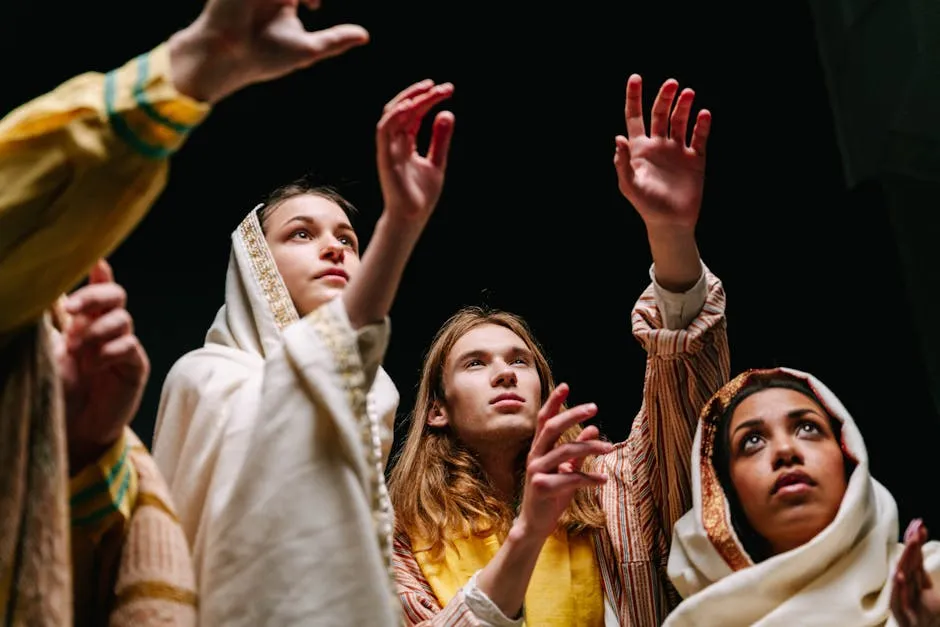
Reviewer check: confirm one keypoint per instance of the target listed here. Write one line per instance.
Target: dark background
(531, 219)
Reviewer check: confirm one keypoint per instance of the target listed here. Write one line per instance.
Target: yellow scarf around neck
(565, 589)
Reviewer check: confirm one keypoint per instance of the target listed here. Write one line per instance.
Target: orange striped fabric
(650, 482)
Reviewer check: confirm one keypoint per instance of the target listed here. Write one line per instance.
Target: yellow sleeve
(79, 168)
(104, 493)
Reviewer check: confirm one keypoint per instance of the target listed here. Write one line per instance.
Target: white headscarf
(273, 438)
(840, 577)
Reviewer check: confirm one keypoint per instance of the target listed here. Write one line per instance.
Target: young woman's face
(786, 466)
(315, 249)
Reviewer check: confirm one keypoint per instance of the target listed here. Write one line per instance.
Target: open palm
(260, 40)
(915, 601)
(660, 174)
(411, 182)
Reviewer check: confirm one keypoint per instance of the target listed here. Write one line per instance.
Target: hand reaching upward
(660, 174)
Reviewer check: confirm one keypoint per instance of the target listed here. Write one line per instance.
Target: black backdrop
(531, 219)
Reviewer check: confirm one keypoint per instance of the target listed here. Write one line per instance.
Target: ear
(437, 415)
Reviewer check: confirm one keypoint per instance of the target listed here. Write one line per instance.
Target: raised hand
(411, 183)
(102, 365)
(234, 43)
(915, 602)
(660, 174)
(553, 472)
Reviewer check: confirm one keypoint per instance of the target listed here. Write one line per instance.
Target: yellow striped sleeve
(104, 494)
(79, 168)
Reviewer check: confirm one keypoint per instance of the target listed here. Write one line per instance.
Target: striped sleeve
(421, 607)
(650, 481)
(104, 493)
(79, 168)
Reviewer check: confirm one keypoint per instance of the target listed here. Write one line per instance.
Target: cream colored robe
(273, 438)
(841, 577)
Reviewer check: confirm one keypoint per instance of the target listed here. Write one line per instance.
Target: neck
(500, 466)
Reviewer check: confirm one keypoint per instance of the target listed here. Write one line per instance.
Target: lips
(333, 272)
(794, 477)
(507, 397)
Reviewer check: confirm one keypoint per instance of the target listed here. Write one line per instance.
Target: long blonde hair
(438, 489)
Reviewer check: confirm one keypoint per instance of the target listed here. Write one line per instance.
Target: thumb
(101, 273)
(334, 41)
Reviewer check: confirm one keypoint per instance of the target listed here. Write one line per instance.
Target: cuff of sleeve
(144, 108)
(484, 608)
(679, 309)
(103, 493)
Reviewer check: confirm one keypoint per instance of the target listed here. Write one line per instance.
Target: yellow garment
(102, 499)
(79, 168)
(565, 589)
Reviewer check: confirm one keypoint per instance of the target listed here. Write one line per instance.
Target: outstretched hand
(660, 174)
(412, 183)
(915, 602)
(553, 472)
(102, 365)
(235, 43)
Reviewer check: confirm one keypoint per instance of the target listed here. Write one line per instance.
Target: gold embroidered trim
(265, 271)
(715, 517)
(350, 369)
(154, 590)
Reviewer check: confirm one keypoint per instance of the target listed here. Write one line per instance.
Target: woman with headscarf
(273, 435)
(79, 167)
(787, 526)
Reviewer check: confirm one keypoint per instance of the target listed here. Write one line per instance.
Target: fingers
(899, 596)
(441, 135)
(679, 122)
(313, 5)
(550, 408)
(572, 452)
(409, 92)
(622, 159)
(96, 298)
(633, 111)
(703, 125)
(334, 41)
(101, 273)
(659, 117)
(406, 115)
(554, 426)
(113, 324)
(126, 351)
(565, 483)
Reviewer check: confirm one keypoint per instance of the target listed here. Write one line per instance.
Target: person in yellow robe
(507, 514)
(79, 168)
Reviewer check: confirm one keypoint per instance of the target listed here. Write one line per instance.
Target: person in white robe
(273, 436)
(787, 526)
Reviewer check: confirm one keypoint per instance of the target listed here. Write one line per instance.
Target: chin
(803, 526)
(512, 427)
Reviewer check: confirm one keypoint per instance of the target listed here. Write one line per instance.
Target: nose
(504, 376)
(785, 453)
(333, 251)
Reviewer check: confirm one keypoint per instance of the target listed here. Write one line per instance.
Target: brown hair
(438, 489)
(300, 187)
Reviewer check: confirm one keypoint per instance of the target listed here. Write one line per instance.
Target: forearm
(204, 65)
(506, 578)
(370, 295)
(79, 168)
(675, 256)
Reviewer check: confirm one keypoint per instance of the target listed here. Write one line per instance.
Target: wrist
(671, 234)
(523, 536)
(202, 63)
(84, 453)
(407, 230)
